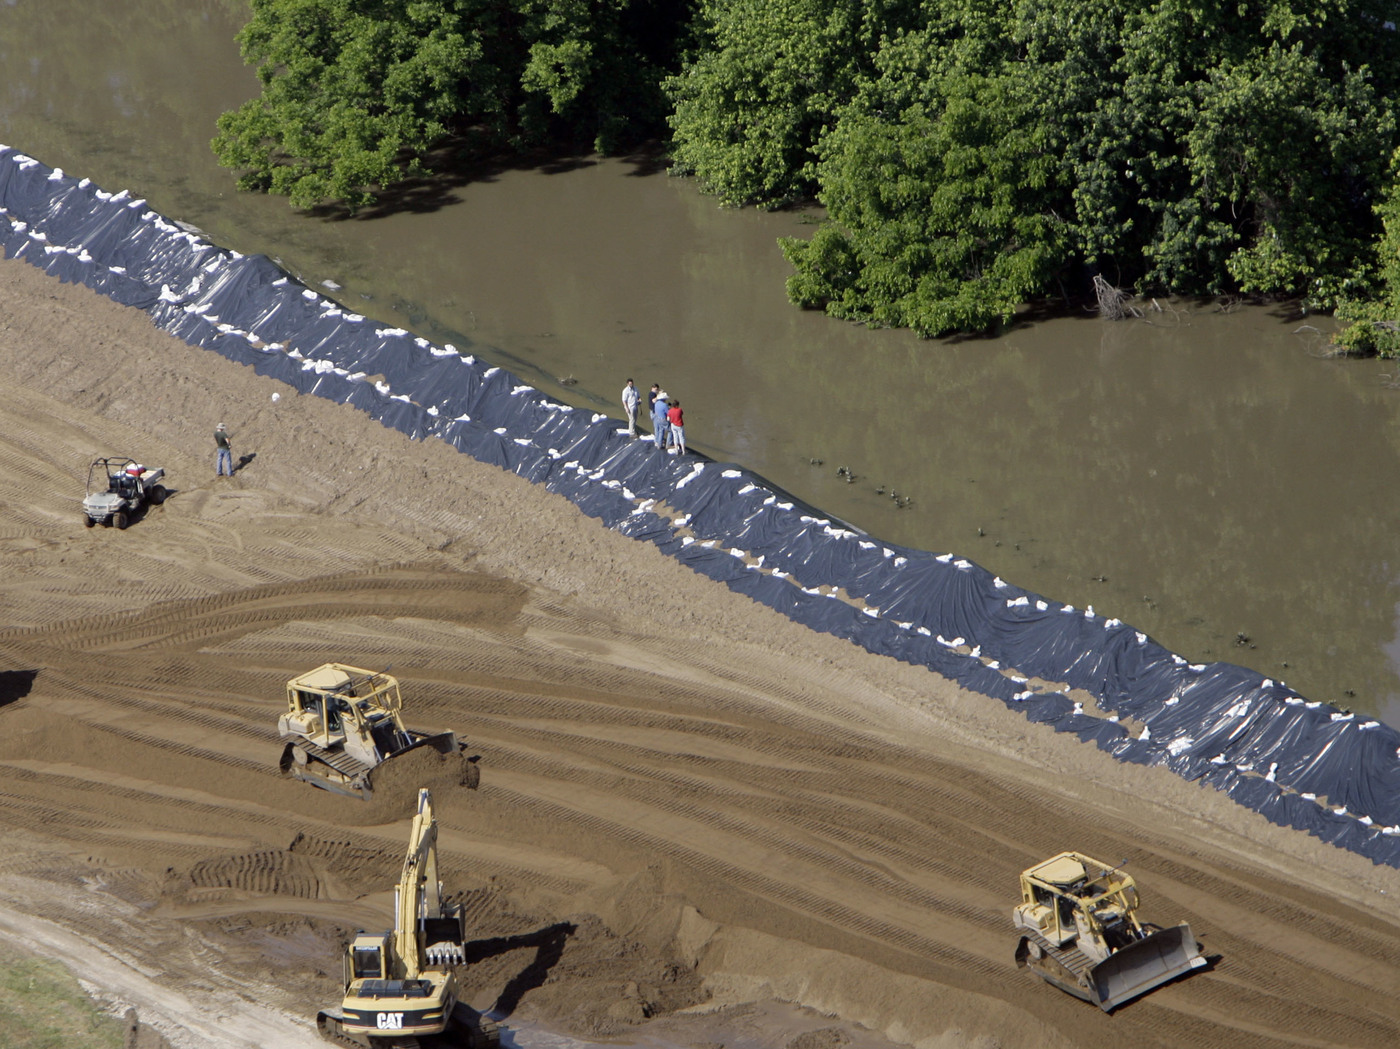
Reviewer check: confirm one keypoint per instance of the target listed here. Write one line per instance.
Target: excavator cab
(365, 958)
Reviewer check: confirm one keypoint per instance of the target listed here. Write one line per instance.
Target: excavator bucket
(1141, 966)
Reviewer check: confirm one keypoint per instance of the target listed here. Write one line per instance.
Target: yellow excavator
(400, 986)
(1080, 932)
(342, 722)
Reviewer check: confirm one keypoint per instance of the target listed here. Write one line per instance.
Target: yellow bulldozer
(1080, 931)
(400, 986)
(342, 722)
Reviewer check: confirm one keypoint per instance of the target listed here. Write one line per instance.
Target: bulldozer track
(216, 723)
(90, 831)
(271, 602)
(833, 860)
(924, 803)
(1353, 929)
(272, 872)
(920, 805)
(358, 853)
(789, 896)
(188, 750)
(350, 850)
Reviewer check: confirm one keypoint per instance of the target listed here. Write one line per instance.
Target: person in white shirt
(631, 397)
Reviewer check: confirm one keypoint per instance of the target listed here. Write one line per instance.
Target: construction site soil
(690, 807)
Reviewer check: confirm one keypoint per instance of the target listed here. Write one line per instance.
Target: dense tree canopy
(1183, 147)
(766, 82)
(355, 92)
(971, 154)
(1374, 321)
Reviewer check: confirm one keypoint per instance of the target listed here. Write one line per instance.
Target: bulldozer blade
(1146, 964)
(444, 743)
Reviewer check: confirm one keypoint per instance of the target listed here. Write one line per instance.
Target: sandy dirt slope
(686, 800)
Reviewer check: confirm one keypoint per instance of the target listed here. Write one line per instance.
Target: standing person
(651, 399)
(658, 419)
(631, 397)
(677, 421)
(224, 442)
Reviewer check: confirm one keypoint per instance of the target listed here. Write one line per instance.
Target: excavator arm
(419, 894)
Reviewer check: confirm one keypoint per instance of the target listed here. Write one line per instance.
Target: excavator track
(332, 1030)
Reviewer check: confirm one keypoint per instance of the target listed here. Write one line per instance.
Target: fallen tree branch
(1114, 303)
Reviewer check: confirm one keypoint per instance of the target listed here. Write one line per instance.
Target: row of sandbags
(1300, 763)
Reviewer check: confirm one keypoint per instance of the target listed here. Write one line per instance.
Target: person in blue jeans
(677, 420)
(225, 445)
(659, 425)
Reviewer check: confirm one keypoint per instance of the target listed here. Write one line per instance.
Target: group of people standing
(667, 419)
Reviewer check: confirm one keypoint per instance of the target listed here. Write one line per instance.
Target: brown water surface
(1201, 474)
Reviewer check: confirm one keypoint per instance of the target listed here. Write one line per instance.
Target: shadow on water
(646, 161)
(457, 163)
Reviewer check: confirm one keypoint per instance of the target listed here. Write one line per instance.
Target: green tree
(970, 154)
(765, 83)
(1214, 150)
(1373, 321)
(941, 220)
(1306, 153)
(356, 92)
(1179, 146)
(595, 67)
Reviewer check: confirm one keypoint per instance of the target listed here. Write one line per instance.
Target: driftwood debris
(1114, 303)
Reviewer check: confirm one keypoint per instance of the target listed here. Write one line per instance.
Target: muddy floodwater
(1203, 474)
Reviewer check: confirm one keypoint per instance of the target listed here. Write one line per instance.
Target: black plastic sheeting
(1302, 764)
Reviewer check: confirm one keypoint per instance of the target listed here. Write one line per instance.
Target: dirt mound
(398, 780)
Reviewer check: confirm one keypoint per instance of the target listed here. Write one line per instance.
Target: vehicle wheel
(88, 522)
(157, 495)
(119, 519)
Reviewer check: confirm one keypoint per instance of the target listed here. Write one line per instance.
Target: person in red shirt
(677, 421)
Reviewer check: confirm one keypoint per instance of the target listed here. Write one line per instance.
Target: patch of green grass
(42, 1006)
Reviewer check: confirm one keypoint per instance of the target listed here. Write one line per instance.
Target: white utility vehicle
(117, 487)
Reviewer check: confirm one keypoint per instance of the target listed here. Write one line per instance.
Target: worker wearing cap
(659, 425)
(225, 445)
